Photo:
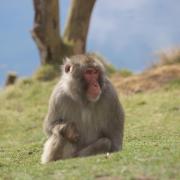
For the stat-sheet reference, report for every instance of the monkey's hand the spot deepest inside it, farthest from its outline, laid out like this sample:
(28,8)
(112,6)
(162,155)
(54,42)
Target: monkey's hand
(58,128)
(68,131)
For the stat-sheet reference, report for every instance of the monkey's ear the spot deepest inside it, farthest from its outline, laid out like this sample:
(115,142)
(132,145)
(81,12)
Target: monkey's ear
(67,68)
(67,64)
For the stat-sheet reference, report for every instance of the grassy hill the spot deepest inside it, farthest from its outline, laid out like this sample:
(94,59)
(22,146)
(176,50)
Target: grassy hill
(151,144)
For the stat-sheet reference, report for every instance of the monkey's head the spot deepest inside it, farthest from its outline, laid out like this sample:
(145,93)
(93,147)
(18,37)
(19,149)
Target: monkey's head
(85,77)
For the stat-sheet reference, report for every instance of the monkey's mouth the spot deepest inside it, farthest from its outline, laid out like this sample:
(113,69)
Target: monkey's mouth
(93,91)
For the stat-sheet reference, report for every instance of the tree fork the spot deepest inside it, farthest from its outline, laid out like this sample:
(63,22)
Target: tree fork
(46,31)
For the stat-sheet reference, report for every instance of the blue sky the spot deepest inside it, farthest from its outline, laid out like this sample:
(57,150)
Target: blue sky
(127,32)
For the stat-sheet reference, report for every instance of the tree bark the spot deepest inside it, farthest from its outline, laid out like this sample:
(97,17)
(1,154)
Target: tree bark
(46,31)
(78,24)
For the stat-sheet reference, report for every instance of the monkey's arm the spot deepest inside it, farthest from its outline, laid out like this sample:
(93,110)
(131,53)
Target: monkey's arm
(116,129)
(115,126)
(50,122)
(53,147)
(53,116)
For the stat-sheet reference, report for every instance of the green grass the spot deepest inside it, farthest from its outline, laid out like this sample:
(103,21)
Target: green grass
(151,144)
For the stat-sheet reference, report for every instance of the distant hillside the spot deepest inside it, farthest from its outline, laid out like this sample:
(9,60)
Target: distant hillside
(148,80)
(166,69)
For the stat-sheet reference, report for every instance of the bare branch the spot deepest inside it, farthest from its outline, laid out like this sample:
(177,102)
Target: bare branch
(46,31)
(78,24)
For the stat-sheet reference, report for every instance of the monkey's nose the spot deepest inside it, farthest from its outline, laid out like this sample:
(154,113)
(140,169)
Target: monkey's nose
(95,84)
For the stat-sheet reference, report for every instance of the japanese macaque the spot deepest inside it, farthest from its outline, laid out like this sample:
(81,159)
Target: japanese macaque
(85,116)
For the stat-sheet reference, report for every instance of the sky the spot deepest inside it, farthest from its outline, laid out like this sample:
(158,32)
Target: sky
(128,33)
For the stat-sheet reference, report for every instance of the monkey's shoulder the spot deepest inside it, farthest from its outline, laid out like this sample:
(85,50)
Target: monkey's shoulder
(59,96)
(109,91)
(111,100)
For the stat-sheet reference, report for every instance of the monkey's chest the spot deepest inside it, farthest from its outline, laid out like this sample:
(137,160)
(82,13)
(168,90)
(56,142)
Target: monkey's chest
(90,127)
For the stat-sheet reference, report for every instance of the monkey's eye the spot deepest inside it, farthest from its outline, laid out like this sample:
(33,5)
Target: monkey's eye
(91,71)
(67,68)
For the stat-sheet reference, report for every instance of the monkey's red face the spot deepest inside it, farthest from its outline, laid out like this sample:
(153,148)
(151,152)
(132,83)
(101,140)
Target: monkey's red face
(91,77)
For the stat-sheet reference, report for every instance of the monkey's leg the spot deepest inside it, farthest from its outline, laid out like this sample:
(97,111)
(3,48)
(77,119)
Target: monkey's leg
(102,145)
(54,145)
(52,149)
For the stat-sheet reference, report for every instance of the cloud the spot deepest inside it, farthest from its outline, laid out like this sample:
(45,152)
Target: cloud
(118,23)
(109,19)
(119,5)
(127,31)
(3,66)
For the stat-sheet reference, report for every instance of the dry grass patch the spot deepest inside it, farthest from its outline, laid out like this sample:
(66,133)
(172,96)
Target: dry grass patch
(148,80)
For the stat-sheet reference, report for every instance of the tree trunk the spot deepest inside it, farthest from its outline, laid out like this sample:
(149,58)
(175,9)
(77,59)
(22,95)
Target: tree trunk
(46,32)
(78,24)
(10,79)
